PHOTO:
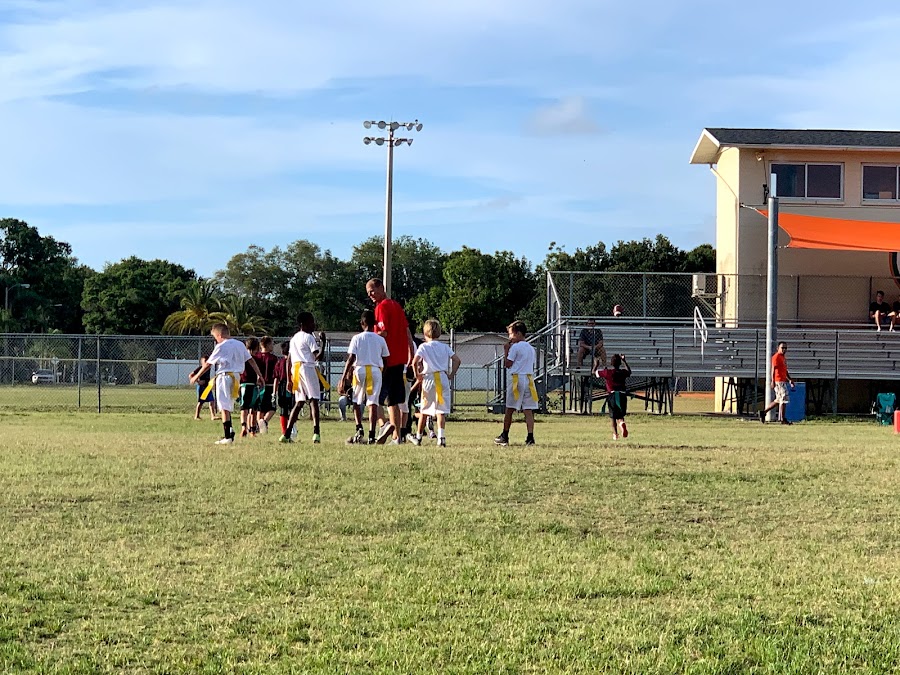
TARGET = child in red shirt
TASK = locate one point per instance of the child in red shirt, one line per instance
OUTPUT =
(616, 377)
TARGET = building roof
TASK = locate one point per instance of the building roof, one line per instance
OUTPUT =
(713, 140)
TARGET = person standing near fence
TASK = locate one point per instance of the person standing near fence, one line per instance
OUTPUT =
(361, 379)
(205, 393)
(266, 361)
(391, 324)
(250, 391)
(230, 358)
(435, 365)
(780, 381)
(305, 378)
(284, 398)
(521, 394)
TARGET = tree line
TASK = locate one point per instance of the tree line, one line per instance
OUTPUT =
(262, 290)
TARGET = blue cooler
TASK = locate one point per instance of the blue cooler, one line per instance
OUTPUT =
(795, 410)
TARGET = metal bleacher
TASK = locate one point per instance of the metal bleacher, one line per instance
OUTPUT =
(658, 352)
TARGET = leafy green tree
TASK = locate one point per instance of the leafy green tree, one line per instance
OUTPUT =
(700, 259)
(199, 300)
(133, 296)
(416, 266)
(236, 313)
(55, 280)
(283, 282)
(484, 292)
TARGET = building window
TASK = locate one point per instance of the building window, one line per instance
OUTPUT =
(880, 182)
(809, 181)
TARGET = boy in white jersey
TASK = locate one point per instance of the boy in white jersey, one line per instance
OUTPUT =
(362, 374)
(521, 394)
(435, 365)
(302, 356)
(231, 357)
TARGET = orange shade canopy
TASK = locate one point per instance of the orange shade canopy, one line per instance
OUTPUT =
(840, 234)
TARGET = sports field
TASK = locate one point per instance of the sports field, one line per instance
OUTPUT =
(131, 543)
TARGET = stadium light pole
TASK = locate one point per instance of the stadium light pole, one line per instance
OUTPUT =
(391, 142)
(772, 288)
(8, 289)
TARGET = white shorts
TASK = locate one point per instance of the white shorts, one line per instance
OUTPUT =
(781, 393)
(362, 386)
(525, 398)
(404, 407)
(306, 382)
(228, 390)
(432, 402)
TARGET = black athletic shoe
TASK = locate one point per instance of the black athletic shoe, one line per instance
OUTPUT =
(502, 439)
(530, 440)
(786, 422)
(762, 416)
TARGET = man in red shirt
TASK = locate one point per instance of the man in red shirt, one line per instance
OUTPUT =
(391, 324)
(780, 380)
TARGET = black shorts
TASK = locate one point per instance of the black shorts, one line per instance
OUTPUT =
(393, 385)
(248, 396)
(266, 404)
(284, 400)
(618, 404)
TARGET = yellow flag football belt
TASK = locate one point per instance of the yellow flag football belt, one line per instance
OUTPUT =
(298, 368)
(369, 382)
(515, 383)
(439, 388)
(235, 386)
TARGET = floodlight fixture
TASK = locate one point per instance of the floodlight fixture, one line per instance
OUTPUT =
(367, 140)
(367, 124)
(382, 124)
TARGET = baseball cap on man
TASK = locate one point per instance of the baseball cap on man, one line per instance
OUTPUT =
(617, 310)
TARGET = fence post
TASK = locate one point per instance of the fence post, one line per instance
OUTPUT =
(756, 373)
(644, 293)
(79, 371)
(452, 384)
(837, 355)
(571, 291)
(99, 376)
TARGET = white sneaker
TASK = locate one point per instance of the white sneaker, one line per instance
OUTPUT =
(263, 426)
(225, 441)
(294, 433)
(415, 440)
(384, 434)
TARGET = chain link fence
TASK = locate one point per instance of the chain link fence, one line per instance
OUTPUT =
(99, 373)
(727, 298)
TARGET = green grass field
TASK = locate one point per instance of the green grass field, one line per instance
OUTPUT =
(131, 543)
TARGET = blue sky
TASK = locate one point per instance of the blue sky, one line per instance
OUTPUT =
(189, 129)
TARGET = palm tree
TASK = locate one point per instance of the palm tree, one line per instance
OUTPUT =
(235, 312)
(197, 302)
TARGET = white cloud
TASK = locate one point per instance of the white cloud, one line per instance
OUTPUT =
(568, 116)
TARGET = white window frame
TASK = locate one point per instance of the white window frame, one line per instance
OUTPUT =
(832, 200)
(883, 202)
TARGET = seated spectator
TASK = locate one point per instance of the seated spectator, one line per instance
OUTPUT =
(618, 311)
(895, 313)
(879, 310)
(590, 341)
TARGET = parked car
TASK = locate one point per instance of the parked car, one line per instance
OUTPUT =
(43, 377)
